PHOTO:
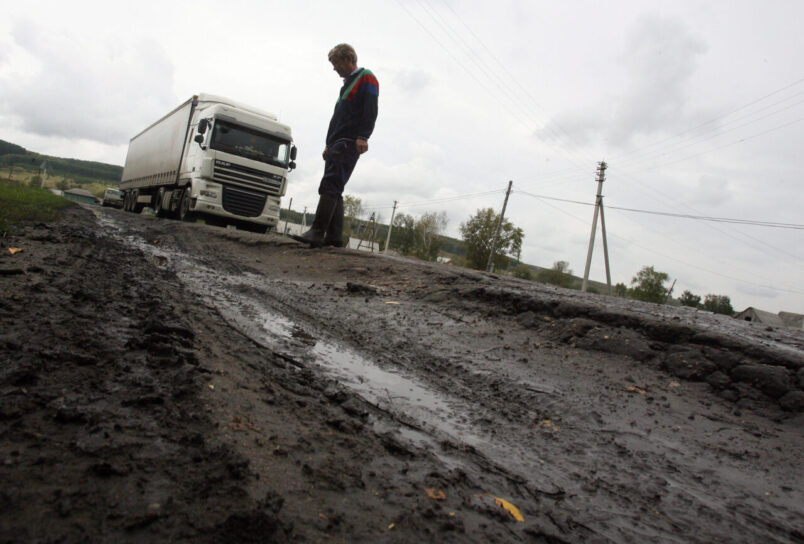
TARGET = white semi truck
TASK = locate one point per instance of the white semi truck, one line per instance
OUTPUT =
(211, 157)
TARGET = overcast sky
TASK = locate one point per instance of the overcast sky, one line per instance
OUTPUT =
(697, 107)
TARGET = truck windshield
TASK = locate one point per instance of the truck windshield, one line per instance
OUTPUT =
(249, 143)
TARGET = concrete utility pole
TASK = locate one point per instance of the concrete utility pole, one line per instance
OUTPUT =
(601, 177)
(490, 263)
(390, 226)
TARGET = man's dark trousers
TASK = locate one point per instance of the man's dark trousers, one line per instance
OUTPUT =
(339, 163)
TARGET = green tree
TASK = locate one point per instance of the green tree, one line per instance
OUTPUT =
(560, 275)
(648, 285)
(352, 211)
(621, 290)
(478, 234)
(427, 235)
(522, 271)
(719, 304)
(403, 234)
(688, 299)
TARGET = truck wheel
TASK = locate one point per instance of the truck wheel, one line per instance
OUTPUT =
(157, 203)
(184, 206)
(137, 206)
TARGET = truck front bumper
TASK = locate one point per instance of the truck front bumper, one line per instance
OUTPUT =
(238, 204)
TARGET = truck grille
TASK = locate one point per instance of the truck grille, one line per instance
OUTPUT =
(243, 202)
(248, 178)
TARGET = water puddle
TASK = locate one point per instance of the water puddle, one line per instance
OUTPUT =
(387, 388)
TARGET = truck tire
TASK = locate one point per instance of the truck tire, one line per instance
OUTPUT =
(157, 203)
(136, 207)
(129, 205)
(184, 213)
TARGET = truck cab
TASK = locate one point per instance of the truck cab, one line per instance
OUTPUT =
(214, 157)
(238, 162)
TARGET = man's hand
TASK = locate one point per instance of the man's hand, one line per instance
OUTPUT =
(361, 145)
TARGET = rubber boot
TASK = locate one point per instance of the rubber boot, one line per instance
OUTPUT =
(323, 217)
(334, 235)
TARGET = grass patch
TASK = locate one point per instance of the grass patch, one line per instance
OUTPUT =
(23, 203)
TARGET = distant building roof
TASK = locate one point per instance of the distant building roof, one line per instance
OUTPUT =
(755, 315)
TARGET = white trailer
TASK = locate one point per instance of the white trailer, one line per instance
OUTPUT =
(213, 157)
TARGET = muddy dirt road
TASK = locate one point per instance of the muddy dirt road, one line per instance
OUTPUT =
(165, 381)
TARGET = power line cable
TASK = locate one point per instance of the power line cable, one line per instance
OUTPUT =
(631, 242)
(754, 222)
(701, 138)
(715, 119)
(476, 60)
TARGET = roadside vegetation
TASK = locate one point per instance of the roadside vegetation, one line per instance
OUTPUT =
(22, 172)
(20, 202)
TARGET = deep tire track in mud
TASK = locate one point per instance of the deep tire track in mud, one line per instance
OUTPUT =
(217, 353)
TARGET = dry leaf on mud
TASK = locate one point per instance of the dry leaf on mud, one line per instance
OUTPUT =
(14, 250)
(391, 302)
(435, 494)
(510, 508)
(548, 424)
(635, 389)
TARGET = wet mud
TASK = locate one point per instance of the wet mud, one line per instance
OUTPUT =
(165, 381)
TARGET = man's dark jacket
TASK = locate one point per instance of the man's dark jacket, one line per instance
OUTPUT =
(356, 109)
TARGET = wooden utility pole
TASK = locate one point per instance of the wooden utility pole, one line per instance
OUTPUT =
(601, 177)
(490, 263)
(390, 226)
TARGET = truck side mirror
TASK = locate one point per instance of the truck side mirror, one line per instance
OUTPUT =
(293, 153)
(203, 124)
(292, 165)
(199, 138)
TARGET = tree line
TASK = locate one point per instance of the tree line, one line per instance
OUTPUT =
(423, 238)
(15, 157)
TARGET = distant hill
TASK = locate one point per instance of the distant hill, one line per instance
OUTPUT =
(78, 171)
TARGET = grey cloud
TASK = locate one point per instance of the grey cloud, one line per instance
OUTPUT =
(81, 91)
(412, 81)
(660, 59)
(711, 192)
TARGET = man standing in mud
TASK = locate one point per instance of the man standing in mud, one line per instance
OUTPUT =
(347, 138)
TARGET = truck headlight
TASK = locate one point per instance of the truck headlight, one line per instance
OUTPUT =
(209, 194)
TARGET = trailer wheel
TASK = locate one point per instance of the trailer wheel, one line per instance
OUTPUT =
(157, 203)
(184, 205)
(136, 207)
(126, 201)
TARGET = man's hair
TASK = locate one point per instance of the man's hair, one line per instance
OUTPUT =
(343, 51)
